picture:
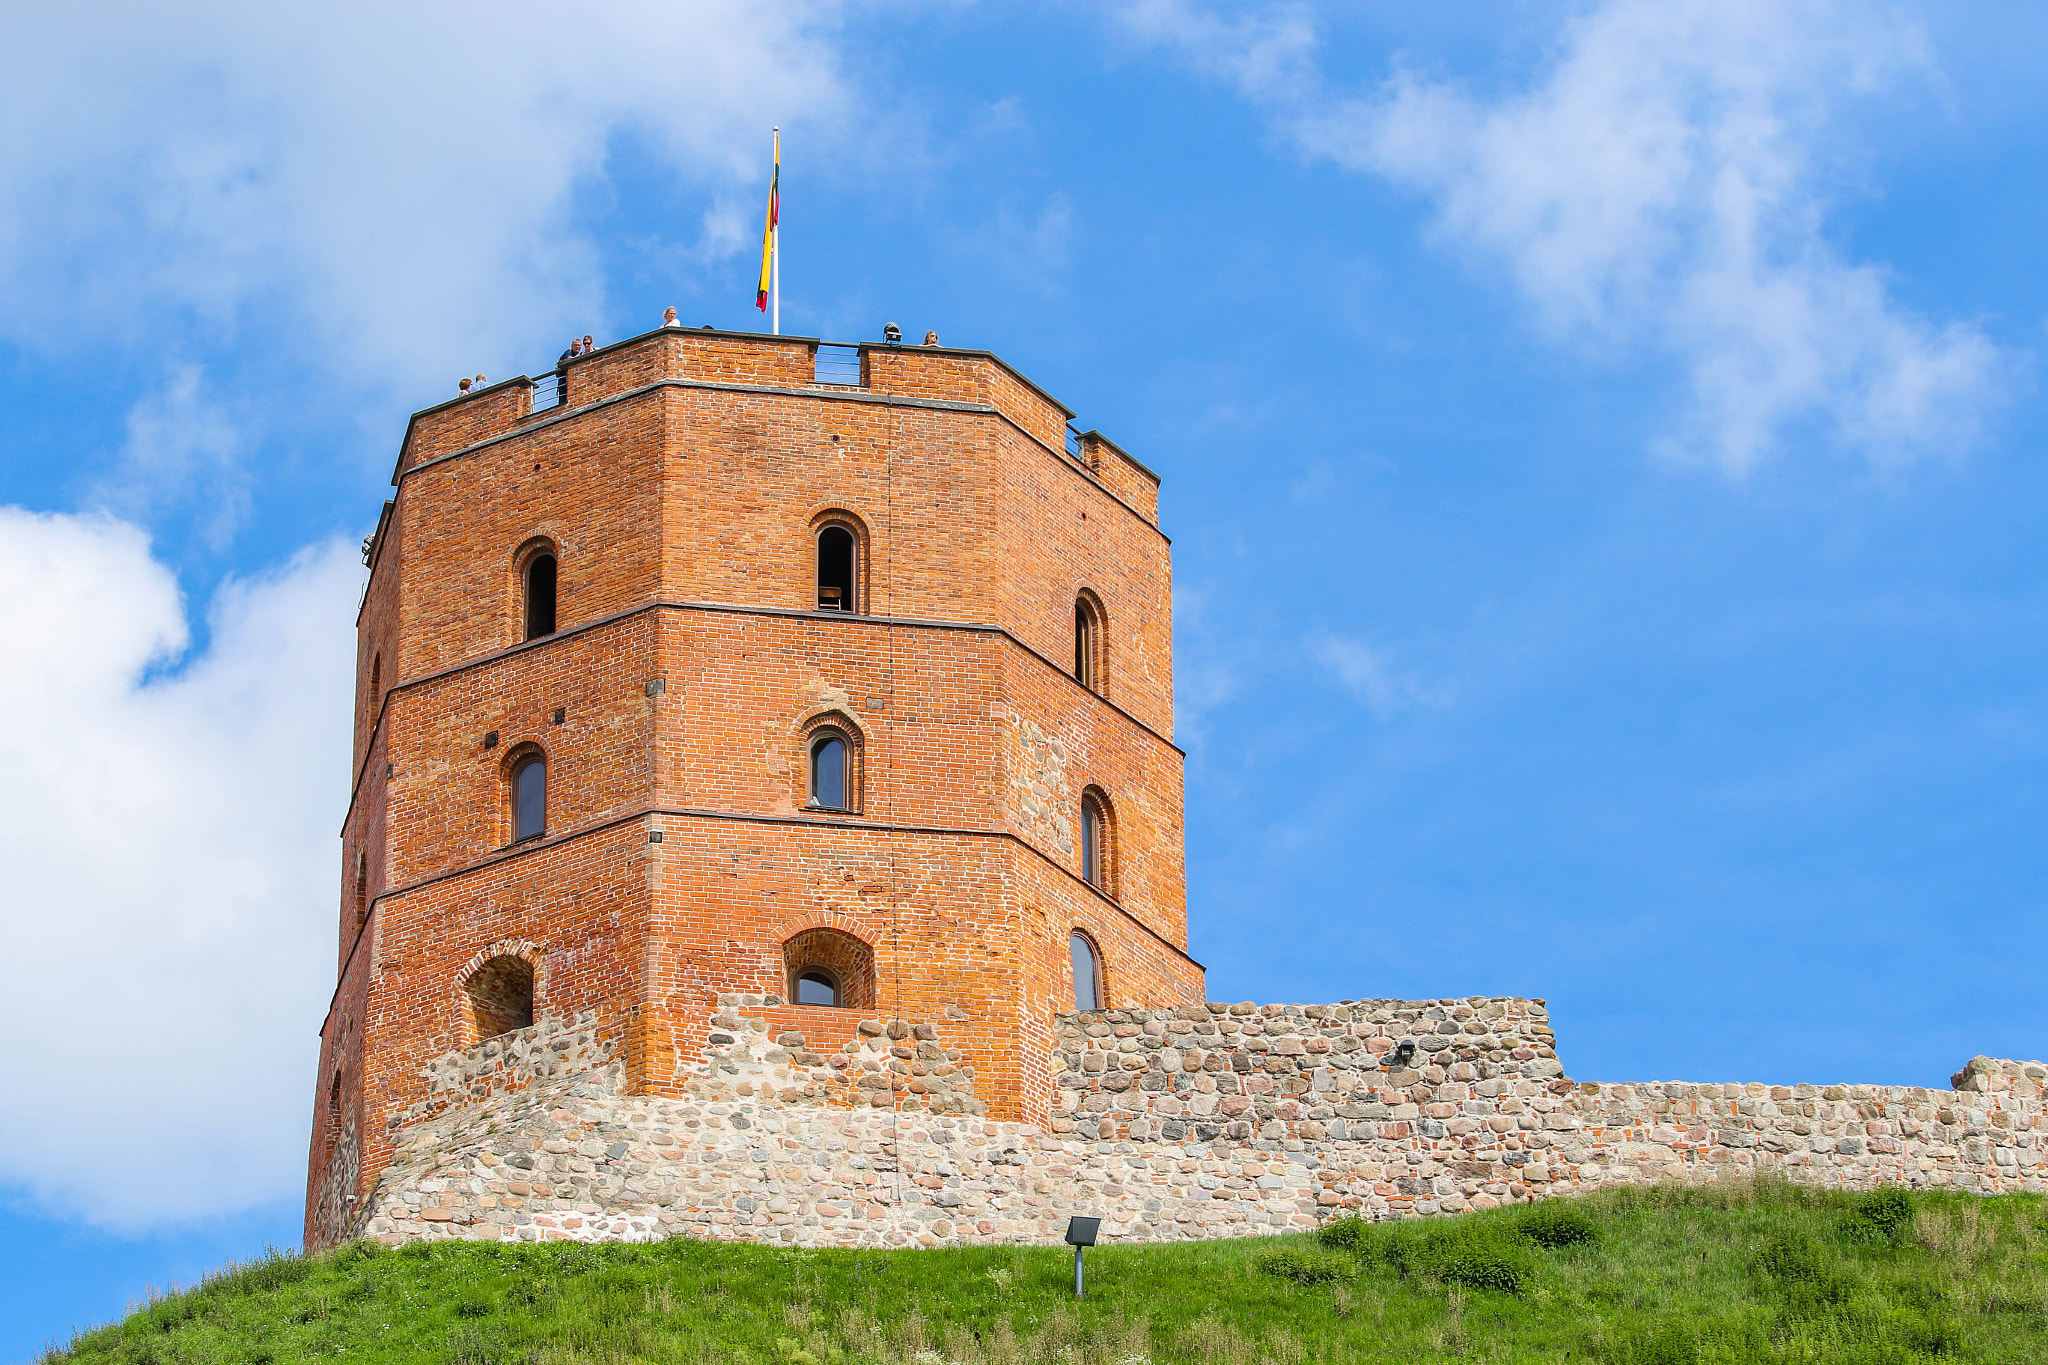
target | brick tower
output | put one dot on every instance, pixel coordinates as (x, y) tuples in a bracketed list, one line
[(690, 682)]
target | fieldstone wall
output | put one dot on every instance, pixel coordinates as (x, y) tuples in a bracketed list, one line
[(1204, 1121), (551, 1048), (1215, 1071), (888, 1064)]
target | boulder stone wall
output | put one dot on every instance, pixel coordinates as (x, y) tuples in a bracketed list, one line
[(1202, 1121)]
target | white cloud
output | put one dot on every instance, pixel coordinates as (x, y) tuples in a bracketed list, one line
[(1268, 52), (168, 826), (1028, 249), (1207, 663), (183, 446), (1375, 678), (1660, 183), (395, 182)]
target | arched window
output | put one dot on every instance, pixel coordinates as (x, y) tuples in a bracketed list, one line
[(837, 553), (539, 578), (1087, 644), (1095, 841), (830, 967), (830, 770), (500, 997), (529, 797), (1087, 972)]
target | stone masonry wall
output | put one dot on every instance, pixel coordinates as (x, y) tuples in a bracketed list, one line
[(888, 1063), (1203, 1121)]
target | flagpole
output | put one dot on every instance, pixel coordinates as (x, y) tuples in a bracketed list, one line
[(775, 249)]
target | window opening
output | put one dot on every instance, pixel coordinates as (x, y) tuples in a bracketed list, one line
[(828, 772), (1087, 973), (835, 569), (376, 681), (540, 596), (830, 967), (816, 988), (362, 887), (1085, 642), (530, 799), (501, 997), (334, 1111), (1094, 843)]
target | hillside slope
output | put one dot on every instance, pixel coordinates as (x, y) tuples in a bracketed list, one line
[(1746, 1273)]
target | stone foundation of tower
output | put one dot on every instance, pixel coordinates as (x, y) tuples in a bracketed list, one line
[(1203, 1121)]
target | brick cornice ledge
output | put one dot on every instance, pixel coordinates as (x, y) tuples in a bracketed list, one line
[(527, 850), (736, 609)]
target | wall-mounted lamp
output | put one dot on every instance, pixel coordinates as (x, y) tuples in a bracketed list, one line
[(1081, 1233), (1403, 1053), (891, 333)]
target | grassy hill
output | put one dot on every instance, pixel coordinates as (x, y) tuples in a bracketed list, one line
[(1749, 1273)]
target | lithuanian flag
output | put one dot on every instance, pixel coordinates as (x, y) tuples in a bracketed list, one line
[(768, 232)]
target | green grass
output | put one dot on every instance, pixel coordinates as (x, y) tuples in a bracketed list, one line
[(1762, 1272)]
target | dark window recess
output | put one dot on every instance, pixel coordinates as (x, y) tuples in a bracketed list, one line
[(530, 799), (540, 596), (830, 967), (828, 772), (1084, 645), (1091, 842), (835, 570), (501, 997), (1087, 974)]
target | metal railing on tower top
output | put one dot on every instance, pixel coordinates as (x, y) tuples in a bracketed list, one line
[(550, 390), (837, 365)]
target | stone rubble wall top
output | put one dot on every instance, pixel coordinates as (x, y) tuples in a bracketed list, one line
[(1997, 1074)]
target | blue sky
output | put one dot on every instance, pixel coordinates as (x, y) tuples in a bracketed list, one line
[(1601, 445)]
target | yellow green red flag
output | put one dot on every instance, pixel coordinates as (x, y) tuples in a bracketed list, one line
[(768, 232)]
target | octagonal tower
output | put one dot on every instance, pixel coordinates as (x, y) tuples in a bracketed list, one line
[(688, 682)]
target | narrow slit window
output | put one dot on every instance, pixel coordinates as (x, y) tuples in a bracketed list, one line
[(1086, 641), (540, 596), (1087, 973), (1094, 843), (828, 772), (816, 988), (836, 556), (530, 799)]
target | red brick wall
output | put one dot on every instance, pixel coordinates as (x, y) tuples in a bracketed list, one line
[(664, 493)]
